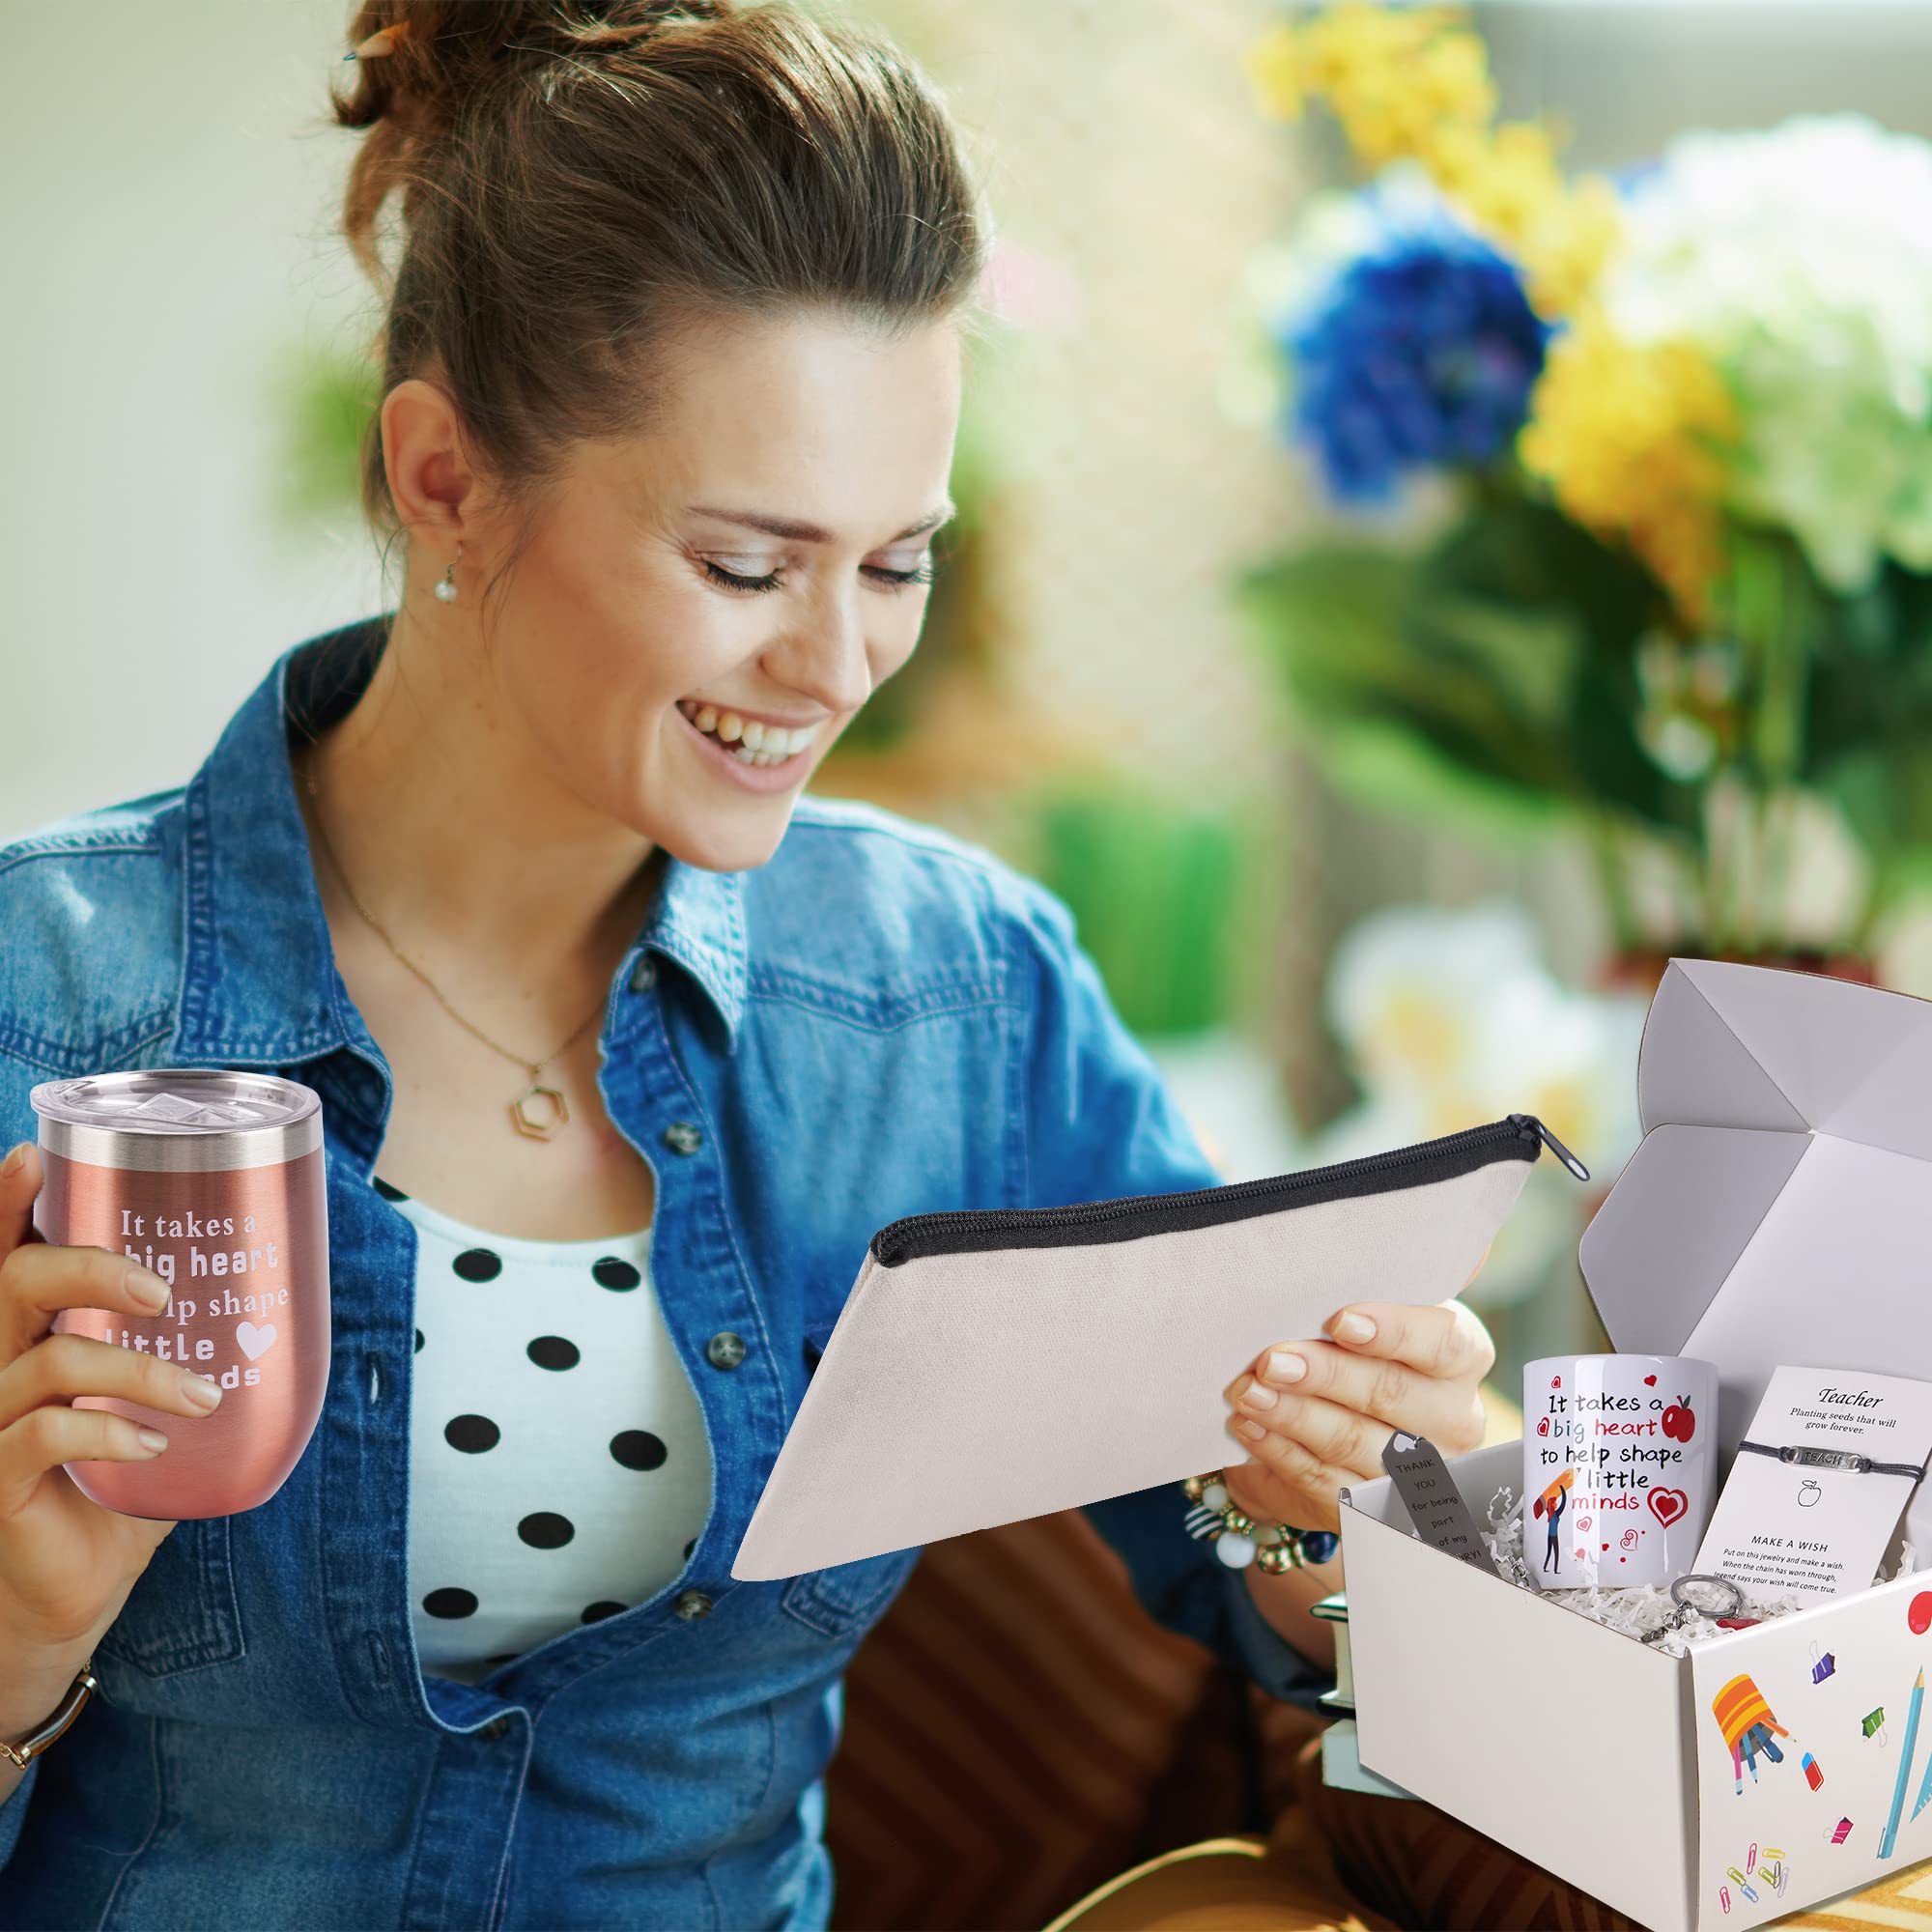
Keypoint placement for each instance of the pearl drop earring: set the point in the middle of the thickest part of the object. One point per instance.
(446, 589)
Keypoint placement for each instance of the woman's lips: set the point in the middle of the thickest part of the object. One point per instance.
(780, 777)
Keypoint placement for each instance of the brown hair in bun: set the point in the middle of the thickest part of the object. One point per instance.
(584, 179)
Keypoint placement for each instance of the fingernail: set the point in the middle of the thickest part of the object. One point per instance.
(199, 1390)
(1256, 1395)
(1356, 1328)
(148, 1290)
(1283, 1367)
(1252, 1430)
(12, 1164)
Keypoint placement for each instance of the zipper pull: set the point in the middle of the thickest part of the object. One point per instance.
(1556, 1147)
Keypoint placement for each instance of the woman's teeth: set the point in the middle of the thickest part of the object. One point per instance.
(751, 743)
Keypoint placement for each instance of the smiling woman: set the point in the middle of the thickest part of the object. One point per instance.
(671, 376)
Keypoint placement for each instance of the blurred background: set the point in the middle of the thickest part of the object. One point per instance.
(1446, 511)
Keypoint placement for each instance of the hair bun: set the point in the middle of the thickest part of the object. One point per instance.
(418, 63)
(466, 37)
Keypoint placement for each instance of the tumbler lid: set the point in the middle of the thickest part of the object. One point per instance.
(143, 1117)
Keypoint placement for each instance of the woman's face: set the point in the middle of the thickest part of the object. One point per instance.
(649, 592)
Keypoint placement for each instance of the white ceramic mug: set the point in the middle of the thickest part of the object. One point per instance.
(1618, 1467)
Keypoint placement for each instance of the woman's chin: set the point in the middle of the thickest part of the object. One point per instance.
(707, 840)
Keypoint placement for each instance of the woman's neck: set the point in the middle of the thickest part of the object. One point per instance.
(483, 873)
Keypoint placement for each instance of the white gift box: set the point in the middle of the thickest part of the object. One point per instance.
(1778, 1210)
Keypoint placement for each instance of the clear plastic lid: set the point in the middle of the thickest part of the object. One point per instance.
(175, 1100)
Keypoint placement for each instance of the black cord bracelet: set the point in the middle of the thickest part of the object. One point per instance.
(1809, 1458)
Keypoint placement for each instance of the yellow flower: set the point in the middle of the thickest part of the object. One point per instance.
(1414, 83)
(1563, 256)
(1273, 66)
(1631, 438)
(1518, 185)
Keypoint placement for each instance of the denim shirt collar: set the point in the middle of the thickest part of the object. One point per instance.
(259, 983)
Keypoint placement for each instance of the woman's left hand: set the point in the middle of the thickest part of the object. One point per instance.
(1415, 1368)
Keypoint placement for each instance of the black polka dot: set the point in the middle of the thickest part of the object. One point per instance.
(597, 1613)
(545, 1530)
(689, 1548)
(612, 1272)
(553, 1352)
(637, 1449)
(472, 1434)
(387, 1192)
(478, 1264)
(420, 1341)
(450, 1603)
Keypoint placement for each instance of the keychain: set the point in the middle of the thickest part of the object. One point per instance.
(1729, 1619)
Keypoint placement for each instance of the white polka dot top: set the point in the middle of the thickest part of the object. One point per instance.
(559, 1466)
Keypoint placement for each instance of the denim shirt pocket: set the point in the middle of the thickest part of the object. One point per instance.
(848, 1596)
(183, 1613)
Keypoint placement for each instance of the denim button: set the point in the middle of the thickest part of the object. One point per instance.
(692, 1604)
(644, 974)
(495, 1728)
(682, 1137)
(725, 1349)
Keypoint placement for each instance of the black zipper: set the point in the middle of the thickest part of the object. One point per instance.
(1127, 1217)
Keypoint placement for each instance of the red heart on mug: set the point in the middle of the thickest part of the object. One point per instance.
(1667, 1505)
(1650, 1382)
(1582, 1522)
(1607, 1545)
(1556, 1381)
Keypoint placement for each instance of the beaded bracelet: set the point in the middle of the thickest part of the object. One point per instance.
(1238, 1540)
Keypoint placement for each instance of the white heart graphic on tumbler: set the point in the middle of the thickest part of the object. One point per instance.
(253, 1342)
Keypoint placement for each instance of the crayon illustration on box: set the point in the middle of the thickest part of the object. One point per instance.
(1704, 1555)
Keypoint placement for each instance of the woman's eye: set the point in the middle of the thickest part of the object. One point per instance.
(719, 574)
(921, 573)
(896, 580)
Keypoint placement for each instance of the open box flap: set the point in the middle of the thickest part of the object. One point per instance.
(1779, 1208)
(1750, 1046)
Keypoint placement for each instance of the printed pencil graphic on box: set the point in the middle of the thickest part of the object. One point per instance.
(1746, 1722)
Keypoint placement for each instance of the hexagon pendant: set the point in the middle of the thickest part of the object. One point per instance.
(540, 1130)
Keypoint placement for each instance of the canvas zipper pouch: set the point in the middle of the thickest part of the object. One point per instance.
(995, 1364)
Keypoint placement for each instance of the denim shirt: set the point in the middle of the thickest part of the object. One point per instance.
(881, 1020)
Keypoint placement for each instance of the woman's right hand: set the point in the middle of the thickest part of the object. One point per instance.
(67, 1565)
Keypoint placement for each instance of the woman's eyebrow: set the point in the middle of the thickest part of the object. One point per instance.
(786, 526)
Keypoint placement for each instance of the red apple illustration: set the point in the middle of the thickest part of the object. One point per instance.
(1679, 1423)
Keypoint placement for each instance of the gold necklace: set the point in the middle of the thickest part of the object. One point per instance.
(540, 1130)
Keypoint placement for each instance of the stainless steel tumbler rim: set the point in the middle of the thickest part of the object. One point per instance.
(175, 1147)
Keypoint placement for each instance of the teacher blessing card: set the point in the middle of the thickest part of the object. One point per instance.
(1819, 1482)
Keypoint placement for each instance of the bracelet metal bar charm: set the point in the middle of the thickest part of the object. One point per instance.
(1806, 1456)
(85, 1684)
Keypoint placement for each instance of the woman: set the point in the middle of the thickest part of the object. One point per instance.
(673, 356)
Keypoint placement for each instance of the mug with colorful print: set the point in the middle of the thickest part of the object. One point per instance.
(1618, 1471)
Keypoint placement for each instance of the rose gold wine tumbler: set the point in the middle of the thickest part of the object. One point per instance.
(215, 1182)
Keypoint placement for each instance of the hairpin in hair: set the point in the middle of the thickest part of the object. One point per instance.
(381, 42)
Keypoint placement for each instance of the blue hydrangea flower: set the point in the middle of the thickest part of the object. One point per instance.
(1420, 351)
